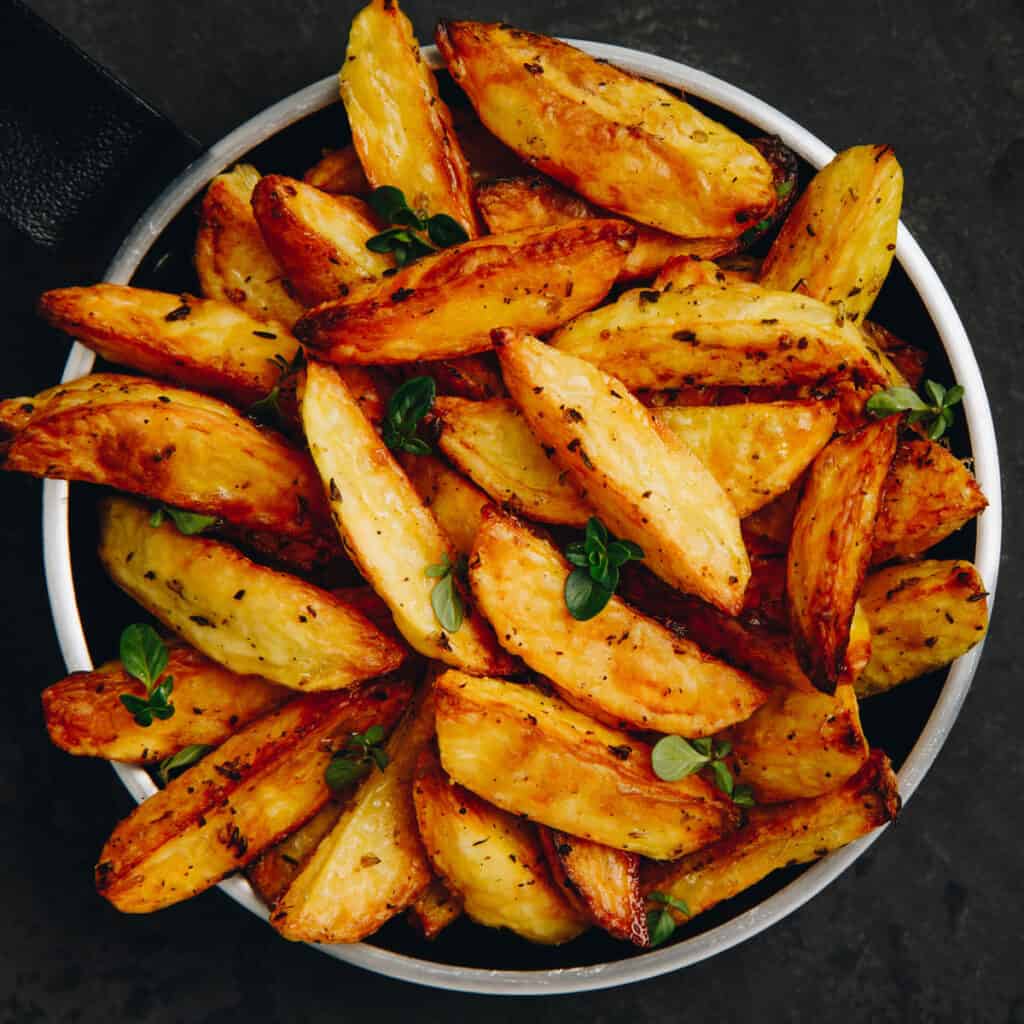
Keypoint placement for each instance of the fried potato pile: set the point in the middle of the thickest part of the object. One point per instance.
(512, 558)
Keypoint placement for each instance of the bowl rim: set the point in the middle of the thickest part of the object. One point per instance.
(940, 308)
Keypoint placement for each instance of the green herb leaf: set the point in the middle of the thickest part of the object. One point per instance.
(783, 188)
(157, 518)
(341, 772)
(188, 523)
(357, 758)
(661, 926)
(671, 901)
(143, 654)
(268, 408)
(584, 596)
(936, 414)
(723, 777)
(597, 558)
(702, 744)
(389, 204)
(409, 404)
(174, 765)
(446, 601)
(673, 758)
(743, 796)
(416, 233)
(445, 231)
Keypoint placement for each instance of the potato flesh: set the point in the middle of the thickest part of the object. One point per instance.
(386, 528)
(645, 483)
(623, 143)
(84, 714)
(339, 172)
(922, 616)
(506, 742)
(401, 128)
(220, 814)
(247, 618)
(454, 502)
(445, 305)
(620, 666)
(434, 909)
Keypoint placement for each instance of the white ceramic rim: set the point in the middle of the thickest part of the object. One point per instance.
(71, 636)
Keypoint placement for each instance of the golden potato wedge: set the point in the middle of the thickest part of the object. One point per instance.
(685, 270)
(770, 527)
(401, 128)
(387, 529)
(371, 865)
(232, 259)
(434, 909)
(474, 377)
(604, 881)
(454, 502)
(838, 241)
(338, 171)
(798, 745)
(909, 360)
(248, 618)
(646, 484)
(508, 742)
(620, 666)
(513, 204)
(223, 812)
(727, 333)
(831, 546)
(922, 616)
(445, 305)
(318, 239)
(487, 155)
(492, 859)
(779, 836)
(622, 142)
(84, 714)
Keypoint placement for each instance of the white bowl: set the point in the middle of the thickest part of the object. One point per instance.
(70, 633)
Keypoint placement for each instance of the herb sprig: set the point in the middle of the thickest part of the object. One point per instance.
(414, 232)
(188, 523)
(674, 757)
(409, 404)
(661, 925)
(174, 765)
(356, 759)
(936, 414)
(598, 558)
(144, 657)
(445, 598)
(268, 408)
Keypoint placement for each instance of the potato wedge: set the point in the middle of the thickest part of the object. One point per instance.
(471, 377)
(445, 305)
(84, 714)
(223, 812)
(454, 502)
(779, 836)
(514, 204)
(232, 259)
(922, 616)
(434, 909)
(389, 532)
(837, 243)
(622, 142)
(908, 359)
(401, 128)
(728, 333)
(318, 239)
(831, 545)
(620, 666)
(487, 155)
(248, 618)
(339, 172)
(798, 745)
(371, 865)
(604, 881)
(646, 484)
(491, 858)
(507, 742)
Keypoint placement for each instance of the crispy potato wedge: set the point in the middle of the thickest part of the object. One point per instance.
(371, 865)
(492, 859)
(318, 239)
(232, 259)
(779, 836)
(434, 909)
(445, 305)
(909, 360)
(474, 377)
(223, 812)
(620, 666)
(922, 616)
(831, 546)
(646, 484)
(604, 881)
(838, 241)
(622, 142)
(339, 172)
(507, 742)
(727, 333)
(84, 714)
(454, 502)
(685, 270)
(514, 204)
(798, 745)
(387, 529)
(248, 618)
(401, 128)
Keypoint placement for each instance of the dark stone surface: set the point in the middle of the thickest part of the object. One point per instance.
(926, 927)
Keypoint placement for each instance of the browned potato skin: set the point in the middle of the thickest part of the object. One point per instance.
(338, 171)
(513, 204)
(473, 377)
(645, 482)
(219, 815)
(507, 742)
(778, 836)
(445, 305)
(909, 360)
(434, 909)
(831, 546)
(84, 714)
(318, 239)
(604, 881)
(922, 616)
(401, 128)
(454, 502)
(620, 666)
(622, 142)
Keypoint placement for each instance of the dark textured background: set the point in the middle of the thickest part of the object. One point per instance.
(926, 927)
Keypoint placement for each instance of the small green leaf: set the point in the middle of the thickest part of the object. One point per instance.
(139, 708)
(189, 523)
(938, 426)
(673, 758)
(445, 231)
(743, 796)
(388, 203)
(446, 601)
(722, 748)
(953, 395)
(723, 777)
(143, 653)
(576, 554)
(596, 533)
(157, 518)
(894, 400)
(373, 735)
(783, 188)
(661, 926)
(671, 901)
(439, 569)
(584, 596)
(622, 551)
(407, 407)
(935, 392)
(702, 744)
(184, 758)
(380, 759)
(341, 772)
